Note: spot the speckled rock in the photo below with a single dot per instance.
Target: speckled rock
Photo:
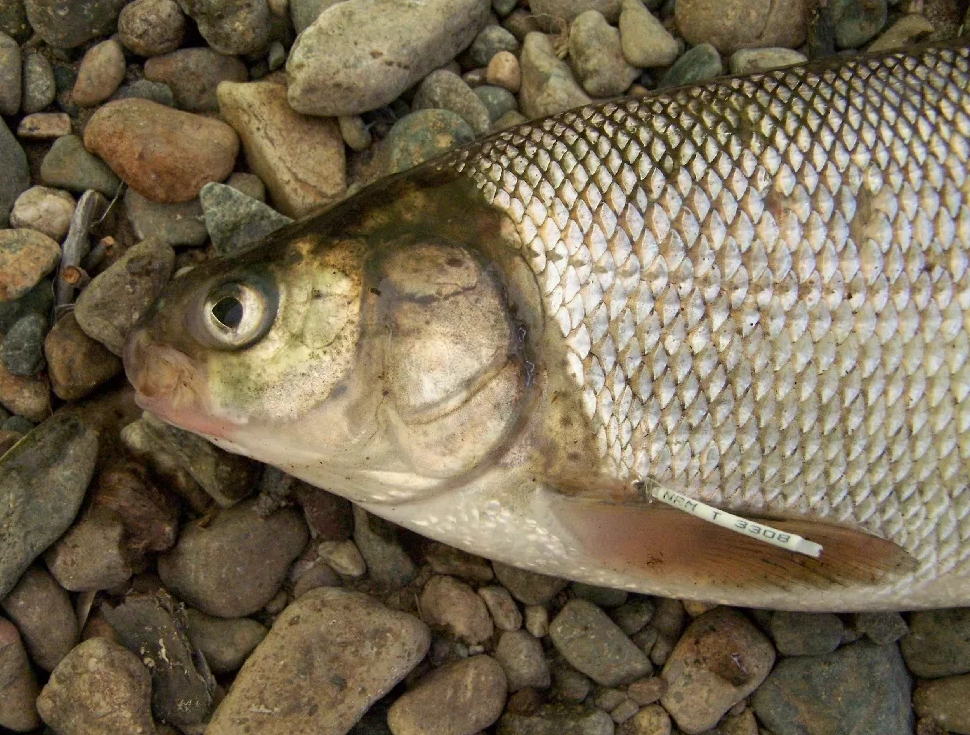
(946, 701)
(701, 63)
(360, 650)
(194, 75)
(304, 12)
(938, 643)
(501, 607)
(26, 396)
(117, 297)
(445, 90)
(176, 224)
(860, 688)
(166, 154)
(805, 634)
(301, 159)
(143, 89)
(77, 364)
(460, 698)
(505, 72)
(100, 688)
(489, 41)
(497, 101)
(93, 554)
(733, 24)
(26, 256)
(46, 210)
(69, 165)
(643, 38)
(13, 20)
(855, 21)
(42, 611)
(151, 27)
(44, 126)
(18, 685)
(22, 349)
(594, 47)
(423, 135)
(557, 719)
(911, 28)
(750, 61)
(231, 26)
(634, 614)
(10, 75)
(225, 643)
(360, 55)
(101, 72)
(528, 587)
(39, 88)
(16, 178)
(650, 720)
(551, 14)
(523, 660)
(548, 85)
(234, 220)
(881, 627)
(71, 23)
(453, 605)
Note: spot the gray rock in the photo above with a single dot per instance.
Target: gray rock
(460, 698)
(503, 7)
(557, 719)
(225, 643)
(861, 688)
(528, 587)
(945, 701)
(805, 634)
(569, 685)
(752, 60)
(548, 85)
(489, 41)
(151, 27)
(69, 165)
(231, 26)
(501, 607)
(388, 563)
(647, 691)
(13, 20)
(594, 47)
(45, 210)
(145, 89)
(39, 88)
(602, 596)
(701, 63)
(71, 23)
(633, 615)
(117, 297)
(523, 660)
(76, 364)
(42, 482)
(422, 136)
(881, 627)
(38, 300)
(938, 643)
(93, 554)
(16, 178)
(360, 55)
(911, 28)
(17, 424)
(22, 349)
(10, 75)
(449, 603)
(445, 90)
(42, 612)
(18, 686)
(100, 688)
(235, 221)
(556, 15)
(175, 224)
(237, 563)
(359, 650)
(643, 38)
(594, 645)
(497, 101)
(857, 21)
(304, 12)
(194, 74)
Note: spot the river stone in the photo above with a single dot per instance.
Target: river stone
(530, 588)
(144, 89)
(556, 15)
(101, 72)
(69, 165)
(938, 643)
(523, 660)
(945, 701)
(225, 643)
(449, 603)
(548, 85)
(732, 24)
(497, 101)
(505, 72)
(76, 364)
(13, 20)
(46, 210)
(151, 27)
(11, 75)
(231, 26)
(594, 47)
(42, 612)
(489, 41)
(177, 224)
(557, 719)
(422, 136)
(643, 38)
(93, 555)
(26, 256)
(911, 28)
(805, 634)
(234, 220)
(700, 64)
(358, 56)
(194, 75)
(446, 90)
(39, 88)
(750, 61)
(22, 349)
(42, 483)
(16, 178)
(70, 23)
(329, 656)
(377, 540)
(18, 685)
(854, 22)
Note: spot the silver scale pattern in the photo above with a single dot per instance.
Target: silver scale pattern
(763, 290)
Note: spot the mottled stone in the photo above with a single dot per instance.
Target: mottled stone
(151, 27)
(18, 685)
(805, 634)
(557, 719)
(489, 41)
(855, 21)
(523, 660)
(945, 701)
(46, 210)
(93, 554)
(938, 643)
(497, 101)
(445, 90)
(643, 38)
(548, 85)
(528, 587)
(69, 165)
(71, 23)
(594, 47)
(13, 20)
(22, 349)
(26, 256)
(421, 136)
(453, 605)
(39, 87)
(235, 221)
(700, 64)
(732, 24)
(143, 89)
(177, 224)
(101, 72)
(231, 26)
(194, 75)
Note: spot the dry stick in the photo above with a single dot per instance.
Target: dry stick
(76, 245)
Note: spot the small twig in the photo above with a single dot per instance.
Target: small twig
(76, 277)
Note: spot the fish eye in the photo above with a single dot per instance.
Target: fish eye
(236, 314)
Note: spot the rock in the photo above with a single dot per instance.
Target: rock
(236, 564)
(855, 21)
(26, 256)
(361, 55)
(304, 12)
(175, 224)
(523, 661)
(528, 587)
(42, 612)
(650, 720)
(22, 349)
(10, 75)
(445, 559)
(860, 688)
(249, 184)
(701, 63)
(911, 28)
(234, 220)
(150, 515)
(354, 131)
(445, 90)
(556, 15)
(194, 75)
(26, 396)
(39, 89)
(750, 61)
(568, 684)
(343, 557)
(601, 596)
(594, 47)
(100, 688)
(18, 686)
(93, 554)
(504, 72)
(117, 297)
(143, 89)
(13, 20)
(46, 210)
(16, 178)
(166, 154)
(422, 136)
(497, 101)
(460, 698)
(359, 650)
(44, 126)
(453, 605)
(634, 614)
(225, 643)
(101, 72)
(647, 691)
(732, 24)
(805, 634)
(720, 660)
(69, 165)
(502, 607)
(938, 643)
(153, 627)
(946, 701)
(489, 41)
(537, 620)
(300, 159)
(592, 643)
(881, 627)
(643, 38)
(151, 27)
(388, 563)
(329, 516)
(77, 364)
(67, 24)
(548, 85)
(557, 719)
(231, 26)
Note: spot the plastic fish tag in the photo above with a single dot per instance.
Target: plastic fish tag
(759, 531)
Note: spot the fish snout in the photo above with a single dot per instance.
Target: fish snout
(158, 372)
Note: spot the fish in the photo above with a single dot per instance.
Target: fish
(578, 344)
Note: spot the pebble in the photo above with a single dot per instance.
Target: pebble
(22, 349)
(643, 38)
(16, 178)
(234, 220)
(39, 88)
(69, 165)
(445, 90)
(805, 634)
(505, 613)
(594, 47)
(177, 224)
(225, 643)
(647, 691)
(44, 126)
(938, 643)
(424, 135)
(650, 720)
(752, 60)
(304, 12)
(361, 55)
(528, 587)
(13, 20)
(444, 559)
(46, 210)
(343, 557)
(26, 256)
(550, 14)
(148, 513)
(367, 648)
(93, 554)
(911, 28)
(548, 85)
(720, 659)
(249, 184)
(194, 75)
(76, 364)
(166, 154)
(66, 25)
(700, 64)
(300, 159)
(945, 701)
(143, 89)
(18, 685)
(520, 23)
(355, 133)
(26, 396)
(100, 74)
(732, 24)
(451, 604)
(743, 723)
(236, 563)
(153, 626)
(231, 26)
(634, 614)
(861, 688)
(537, 620)
(42, 611)
(523, 660)
(497, 101)
(855, 23)
(100, 688)
(601, 596)
(557, 719)
(10, 75)
(489, 41)
(116, 298)
(330, 517)
(504, 72)
(568, 684)
(460, 698)
(594, 645)
(376, 539)
(881, 627)
(151, 27)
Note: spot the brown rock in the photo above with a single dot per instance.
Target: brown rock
(77, 364)
(733, 24)
(92, 555)
(194, 74)
(44, 126)
(28, 396)
(149, 515)
(453, 605)
(102, 70)
(946, 701)
(225, 643)
(26, 256)
(151, 27)
(329, 516)
(446, 559)
(18, 687)
(528, 587)
(166, 155)
(43, 613)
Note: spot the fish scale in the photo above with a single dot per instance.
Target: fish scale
(762, 289)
